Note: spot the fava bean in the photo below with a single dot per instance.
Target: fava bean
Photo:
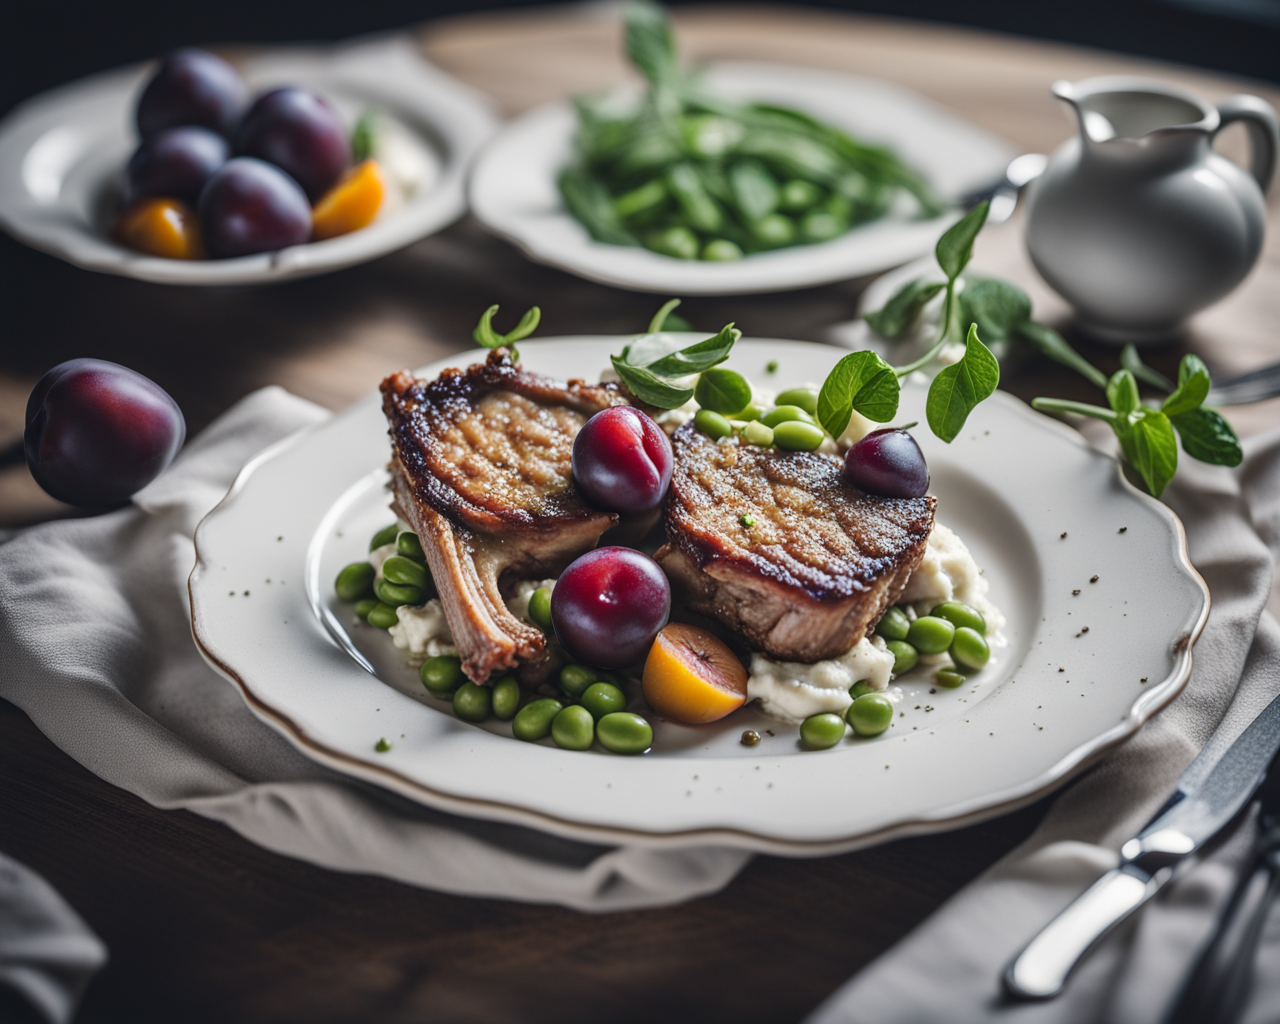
(712, 424)
(959, 614)
(822, 731)
(533, 721)
(859, 688)
(354, 581)
(540, 609)
(948, 678)
(721, 250)
(783, 413)
(364, 607)
(724, 391)
(382, 615)
(471, 702)
(674, 241)
(395, 595)
(805, 398)
(406, 572)
(603, 699)
(795, 436)
(408, 545)
(930, 634)
(574, 679)
(624, 733)
(442, 675)
(758, 434)
(774, 230)
(870, 714)
(506, 698)
(573, 728)
(905, 657)
(384, 536)
(751, 412)
(798, 195)
(969, 649)
(894, 624)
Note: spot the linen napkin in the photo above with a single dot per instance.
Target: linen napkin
(949, 969)
(95, 646)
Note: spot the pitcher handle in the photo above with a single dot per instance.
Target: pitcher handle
(1259, 117)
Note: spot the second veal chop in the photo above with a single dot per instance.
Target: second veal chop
(482, 469)
(780, 548)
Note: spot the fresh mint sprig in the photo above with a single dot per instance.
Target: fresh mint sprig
(651, 369)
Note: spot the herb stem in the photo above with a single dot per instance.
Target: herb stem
(937, 346)
(1096, 412)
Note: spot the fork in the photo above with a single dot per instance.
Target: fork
(1254, 386)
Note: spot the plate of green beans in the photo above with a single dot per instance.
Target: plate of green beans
(744, 177)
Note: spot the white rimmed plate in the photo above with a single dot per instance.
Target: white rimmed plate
(62, 158)
(514, 194)
(1011, 485)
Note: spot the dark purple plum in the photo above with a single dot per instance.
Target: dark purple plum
(176, 163)
(250, 206)
(300, 132)
(608, 606)
(192, 87)
(888, 463)
(622, 461)
(98, 432)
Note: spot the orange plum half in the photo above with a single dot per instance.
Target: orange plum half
(351, 204)
(692, 677)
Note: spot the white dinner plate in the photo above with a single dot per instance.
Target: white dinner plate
(514, 194)
(63, 153)
(1086, 663)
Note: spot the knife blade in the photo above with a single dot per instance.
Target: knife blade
(1210, 793)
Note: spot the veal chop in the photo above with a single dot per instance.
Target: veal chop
(482, 469)
(784, 551)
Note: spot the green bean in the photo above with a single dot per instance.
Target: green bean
(870, 714)
(686, 187)
(406, 572)
(384, 536)
(540, 609)
(797, 195)
(758, 434)
(624, 733)
(784, 413)
(382, 615)
(602, 699)
(794, 436)
(506, 698)
(408, 545)
(821, 226)
(649, 196)
(712, 424)
(774, 231)
(442, 674)
(394, 595)
(948, 678)
(365, 606)
(574, 679)
(894, 624)
(755, 192)
(930, 634)
(805, 398)
(471, 702)
(721, 250)
(354, 581)
(573, 728)
(905, 657)
(724, 391)
(675, 241)
(533, 721)
(969, 649)
(822, 731)
(959, 614)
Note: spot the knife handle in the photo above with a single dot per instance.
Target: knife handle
(1042, 968)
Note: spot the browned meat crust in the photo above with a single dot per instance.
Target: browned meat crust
(482, 470)
(817, 567)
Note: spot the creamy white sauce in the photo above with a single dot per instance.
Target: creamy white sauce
(518, 602)
(791, 691)
(422, 632)
(948, 573)
(379, 555)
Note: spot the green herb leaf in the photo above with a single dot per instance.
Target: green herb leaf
(1149, 446)
(861, 381)
(997, 307)
(487, 337)
(957, 390)
(1192, 390)
(1208, 437)
(699, 357)
(660, 317)
(699, 209)
(1052, 344)
(754, 191)
(1122, 392)
(956, 245)
(1132, 362)
(649, 42)
(589, 201)
(724, 391)
(363, 136)
(903, 309)
(650, 388)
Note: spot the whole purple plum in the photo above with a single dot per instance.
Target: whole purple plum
(176, 163)
(192, 87)
(98, 432)
(250, 206)
(299, 132)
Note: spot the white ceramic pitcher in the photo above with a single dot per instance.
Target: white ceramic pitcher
(1137, 221)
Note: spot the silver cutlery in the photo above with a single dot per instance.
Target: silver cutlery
(1210, 794)
(1254, 386)
(1003, 194)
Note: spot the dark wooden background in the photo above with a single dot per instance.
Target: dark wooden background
(202, 925)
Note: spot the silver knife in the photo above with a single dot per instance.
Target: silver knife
(1210, 793)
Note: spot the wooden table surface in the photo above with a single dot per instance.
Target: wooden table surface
(204, 926)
